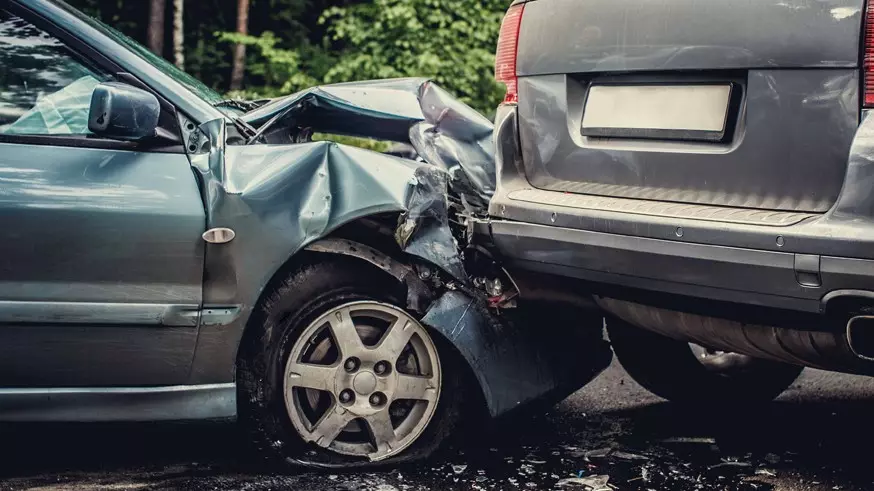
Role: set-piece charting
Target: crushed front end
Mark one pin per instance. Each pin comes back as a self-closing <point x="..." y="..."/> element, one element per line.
<point x="523" y="340"/>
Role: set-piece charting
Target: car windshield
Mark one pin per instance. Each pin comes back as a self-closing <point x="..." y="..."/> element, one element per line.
<point x="194" y="85"/>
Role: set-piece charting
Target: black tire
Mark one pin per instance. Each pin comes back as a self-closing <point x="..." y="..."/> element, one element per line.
<point x="301" y="298"/>
<point x="669" y="369"/>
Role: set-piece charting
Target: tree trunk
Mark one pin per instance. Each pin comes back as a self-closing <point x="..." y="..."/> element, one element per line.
<point x="239" y="67"/>
<point x="178" y="34"/>
<point x="156" y="26"/>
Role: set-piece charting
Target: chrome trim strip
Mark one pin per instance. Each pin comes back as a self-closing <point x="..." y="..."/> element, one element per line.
<point x="176" y="403"/>
<point x="23" y="312"/>
<point x="664" y="209"/>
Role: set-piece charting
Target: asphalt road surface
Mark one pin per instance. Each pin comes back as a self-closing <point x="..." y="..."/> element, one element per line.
<point x="818" y="435"/>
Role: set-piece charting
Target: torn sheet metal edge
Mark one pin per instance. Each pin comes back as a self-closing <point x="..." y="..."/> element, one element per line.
<point x="383" y="99"/>
<point x="514" y="363"/>
<point x="280" y="198"/>
<point x="444" y="131"/>
<point x="510" y="367"/>
<point x="418" y="293"/>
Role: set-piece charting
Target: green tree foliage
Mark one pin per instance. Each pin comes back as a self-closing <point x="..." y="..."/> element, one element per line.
<point x="281" y="70"/>
<point x="450" y="41"/>
<point x="295" y="44"/>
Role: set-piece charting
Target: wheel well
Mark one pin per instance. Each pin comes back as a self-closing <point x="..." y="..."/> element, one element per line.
<point x="376" y="232"/>
<point x="373" y="231"/>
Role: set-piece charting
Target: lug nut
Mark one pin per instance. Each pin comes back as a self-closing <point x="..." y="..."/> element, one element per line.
<point x="347" y="396"/>
<point x="352" y="364"/>
<point x="381" y="368"/>
<point x="377" y="399"/>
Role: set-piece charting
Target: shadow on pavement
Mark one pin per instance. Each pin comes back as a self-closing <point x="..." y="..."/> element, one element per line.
<point x="813" y="445"/>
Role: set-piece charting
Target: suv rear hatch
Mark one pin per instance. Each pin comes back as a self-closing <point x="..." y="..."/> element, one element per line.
<point x="708" y="149"/>
<point x="734" y="103"/>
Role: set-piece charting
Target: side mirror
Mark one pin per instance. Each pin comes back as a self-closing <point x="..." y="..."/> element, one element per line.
<point x="122" y="112"/>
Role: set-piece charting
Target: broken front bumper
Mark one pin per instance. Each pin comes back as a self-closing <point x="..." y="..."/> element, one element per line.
<point x="283" y="196"/>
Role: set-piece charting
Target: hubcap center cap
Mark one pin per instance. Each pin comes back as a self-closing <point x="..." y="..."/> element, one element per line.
<point x="364" y="383"/>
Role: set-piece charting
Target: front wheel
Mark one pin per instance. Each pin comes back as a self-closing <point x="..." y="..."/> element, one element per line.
<point x="680" y="372"/>
<point x="341" y="375"/>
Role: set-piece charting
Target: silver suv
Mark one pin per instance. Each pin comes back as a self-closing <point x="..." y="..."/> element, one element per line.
<point x="706" y="170"/>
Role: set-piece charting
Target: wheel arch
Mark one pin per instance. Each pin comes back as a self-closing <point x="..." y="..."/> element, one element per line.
<point x="369" y="242"/>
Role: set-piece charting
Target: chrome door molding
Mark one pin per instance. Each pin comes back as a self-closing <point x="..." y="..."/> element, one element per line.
<point x="95" y="313"/>
<point x="110" y="404"/>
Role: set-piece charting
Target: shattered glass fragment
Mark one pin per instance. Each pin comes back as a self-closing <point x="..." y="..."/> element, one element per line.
<point x="590" y="483"/>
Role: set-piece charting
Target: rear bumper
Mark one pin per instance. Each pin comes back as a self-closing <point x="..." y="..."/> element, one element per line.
<point x="746" y="276"/>
<point x="795" y="265"/>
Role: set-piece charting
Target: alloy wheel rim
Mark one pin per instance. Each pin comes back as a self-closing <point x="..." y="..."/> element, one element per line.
<point x="362" y="380"/>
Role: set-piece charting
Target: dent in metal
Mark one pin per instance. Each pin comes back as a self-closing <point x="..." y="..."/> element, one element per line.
<point x="384" y="109"/>
<point x="418" y="293"/>
<point x="282" y="197"/>
<point x="107" y="404"/>
<point x="279" y="198"/>
<point x="510" y="366"/>
<point x="518" y="358"/>
<point x="445" y="132"/>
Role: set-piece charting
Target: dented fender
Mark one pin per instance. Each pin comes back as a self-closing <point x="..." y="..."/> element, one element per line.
<point x="515" y="356"/>
<point x="514" y="359"/>
<point x="281" y="197"/>
<point x="277" y="199"/>
<point x="444" y="131"/>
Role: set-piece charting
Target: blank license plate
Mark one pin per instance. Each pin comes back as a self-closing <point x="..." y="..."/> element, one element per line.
<point x="668" y="112"/>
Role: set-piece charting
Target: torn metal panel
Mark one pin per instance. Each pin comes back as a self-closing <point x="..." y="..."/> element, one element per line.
<point x="384" y="109"/>
<point x="280" y="195"/>
<point x="471" y="165"/>
<point x="424" y="229"/>
<point x="418" y="293"/>
<point x="444" y="131"/>
<point x="277" y="199"/>
<point x="513" y="361"/>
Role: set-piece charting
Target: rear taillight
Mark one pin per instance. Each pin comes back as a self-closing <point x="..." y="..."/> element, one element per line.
<point x="505" y="59"/>
<point x="868" y="58"/>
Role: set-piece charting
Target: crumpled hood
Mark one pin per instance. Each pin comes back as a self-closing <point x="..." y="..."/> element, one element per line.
<point x="282" y="195"/>
<point x="444" y="131"/>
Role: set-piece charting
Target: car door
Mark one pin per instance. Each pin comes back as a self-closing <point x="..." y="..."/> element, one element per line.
<point x="101" y="256"/>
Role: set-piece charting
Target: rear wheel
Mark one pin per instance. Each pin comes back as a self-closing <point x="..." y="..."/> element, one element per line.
<point x="341" y="375"/>
<point x="685" y="373"/>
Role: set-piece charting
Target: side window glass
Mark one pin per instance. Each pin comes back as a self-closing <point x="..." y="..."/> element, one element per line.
<point x="44" y="89"/>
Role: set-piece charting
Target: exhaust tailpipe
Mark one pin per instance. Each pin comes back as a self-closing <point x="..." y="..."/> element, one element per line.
<point x="827" y="349"/>
<point x="860" y="336"/>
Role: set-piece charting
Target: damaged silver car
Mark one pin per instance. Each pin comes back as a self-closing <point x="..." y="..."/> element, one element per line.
<point x="169" y="255"/>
